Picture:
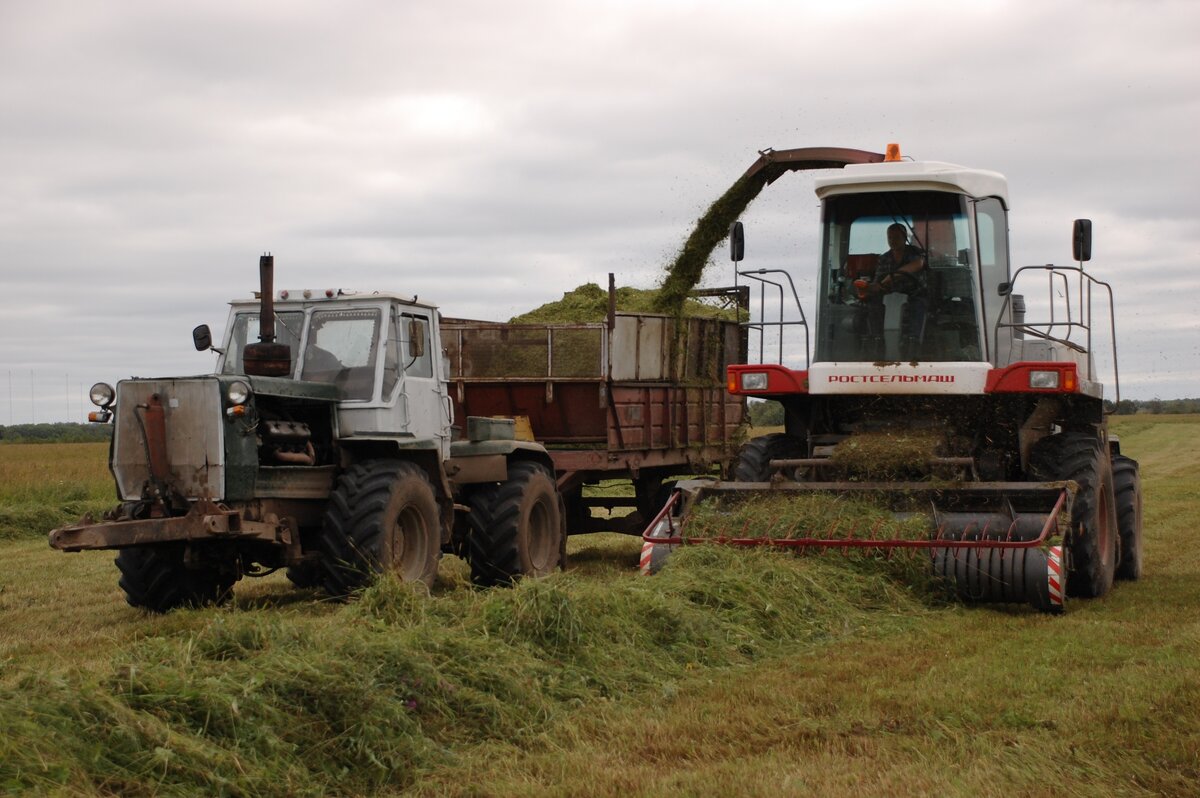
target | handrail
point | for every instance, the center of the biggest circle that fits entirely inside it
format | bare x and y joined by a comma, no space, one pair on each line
1048,330
762,324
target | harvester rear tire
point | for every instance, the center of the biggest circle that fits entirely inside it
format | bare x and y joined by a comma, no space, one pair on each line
517,528
1127,488
382,517
155,578
755,456
1094,541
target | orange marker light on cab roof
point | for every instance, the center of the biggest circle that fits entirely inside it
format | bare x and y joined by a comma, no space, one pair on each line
892,153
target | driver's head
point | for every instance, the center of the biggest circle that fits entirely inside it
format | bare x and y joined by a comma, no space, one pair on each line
897,235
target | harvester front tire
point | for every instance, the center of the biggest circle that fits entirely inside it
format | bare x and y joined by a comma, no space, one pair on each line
155,578
1127,488
382,517
1094,537
755,456
517,528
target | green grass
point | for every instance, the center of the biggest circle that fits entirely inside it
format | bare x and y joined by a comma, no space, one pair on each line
731,672
47,485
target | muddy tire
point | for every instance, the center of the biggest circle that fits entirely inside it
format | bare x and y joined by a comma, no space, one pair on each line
155,578
1094,537
517,527
755,456
1127,488
382,517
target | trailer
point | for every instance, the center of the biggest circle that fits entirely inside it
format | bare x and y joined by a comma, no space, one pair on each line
638,397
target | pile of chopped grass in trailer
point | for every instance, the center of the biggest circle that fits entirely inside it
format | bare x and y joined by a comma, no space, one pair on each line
888,454
710,229
589,303
371,696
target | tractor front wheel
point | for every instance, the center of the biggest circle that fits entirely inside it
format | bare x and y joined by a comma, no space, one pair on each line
1094,537
156,578
755,456
382,517
517,528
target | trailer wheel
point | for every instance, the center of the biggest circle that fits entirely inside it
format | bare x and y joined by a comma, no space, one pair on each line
156,578
516,527
1080,457
382,517
755,456
1127,488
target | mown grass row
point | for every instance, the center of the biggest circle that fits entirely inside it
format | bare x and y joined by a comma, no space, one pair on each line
46,485
397,683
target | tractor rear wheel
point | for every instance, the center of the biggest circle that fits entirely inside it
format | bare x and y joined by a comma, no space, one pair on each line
1127,488
1081,457
755,456
517,528
156,578
382,517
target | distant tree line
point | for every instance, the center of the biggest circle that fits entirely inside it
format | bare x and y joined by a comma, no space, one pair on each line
55,433
770,414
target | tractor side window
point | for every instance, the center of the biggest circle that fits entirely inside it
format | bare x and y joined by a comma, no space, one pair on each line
404,354
341,349
288,324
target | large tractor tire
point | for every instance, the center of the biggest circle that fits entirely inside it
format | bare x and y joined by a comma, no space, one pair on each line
1127,488
382,517
517,528
755,456
155,578
1094,538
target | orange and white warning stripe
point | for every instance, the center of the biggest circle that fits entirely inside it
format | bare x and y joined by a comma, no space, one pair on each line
647,554
1054,576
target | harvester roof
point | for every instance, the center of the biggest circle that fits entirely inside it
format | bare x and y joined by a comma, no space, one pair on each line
913,176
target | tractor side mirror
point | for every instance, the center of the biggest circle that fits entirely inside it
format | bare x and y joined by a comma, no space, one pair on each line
416,339
1004,289
202,338
1082,239
737,242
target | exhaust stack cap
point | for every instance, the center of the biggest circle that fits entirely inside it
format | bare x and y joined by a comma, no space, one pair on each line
267,358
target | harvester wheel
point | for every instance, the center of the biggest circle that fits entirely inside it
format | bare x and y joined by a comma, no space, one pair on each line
1081,457
755,456
517,528
156,578
1127,488
382,517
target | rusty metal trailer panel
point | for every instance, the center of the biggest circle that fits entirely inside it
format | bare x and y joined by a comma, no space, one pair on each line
634,396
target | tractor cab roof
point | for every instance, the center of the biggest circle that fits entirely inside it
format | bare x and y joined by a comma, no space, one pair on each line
314,296
913,176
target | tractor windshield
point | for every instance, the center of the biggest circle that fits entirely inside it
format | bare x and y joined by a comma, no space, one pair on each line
896,279
341,348
245,329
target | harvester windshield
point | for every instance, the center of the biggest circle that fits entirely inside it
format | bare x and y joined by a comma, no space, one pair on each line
898,279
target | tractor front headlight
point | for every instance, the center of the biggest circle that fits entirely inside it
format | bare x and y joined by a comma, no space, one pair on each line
1043,379
102,394
754,381
238,393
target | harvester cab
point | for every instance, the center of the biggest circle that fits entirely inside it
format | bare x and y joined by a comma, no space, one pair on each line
943,384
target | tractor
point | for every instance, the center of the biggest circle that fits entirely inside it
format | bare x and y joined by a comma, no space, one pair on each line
327,448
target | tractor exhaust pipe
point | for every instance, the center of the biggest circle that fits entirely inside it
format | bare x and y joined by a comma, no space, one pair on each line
267,358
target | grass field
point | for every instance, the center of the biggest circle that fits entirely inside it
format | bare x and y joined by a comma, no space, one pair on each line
729,673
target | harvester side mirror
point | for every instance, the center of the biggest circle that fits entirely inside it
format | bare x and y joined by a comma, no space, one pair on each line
416,339
202,338
737,242
1082,239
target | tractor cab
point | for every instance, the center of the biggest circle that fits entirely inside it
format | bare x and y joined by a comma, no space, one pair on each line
913,264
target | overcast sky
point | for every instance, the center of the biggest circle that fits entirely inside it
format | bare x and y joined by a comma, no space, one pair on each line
490,156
